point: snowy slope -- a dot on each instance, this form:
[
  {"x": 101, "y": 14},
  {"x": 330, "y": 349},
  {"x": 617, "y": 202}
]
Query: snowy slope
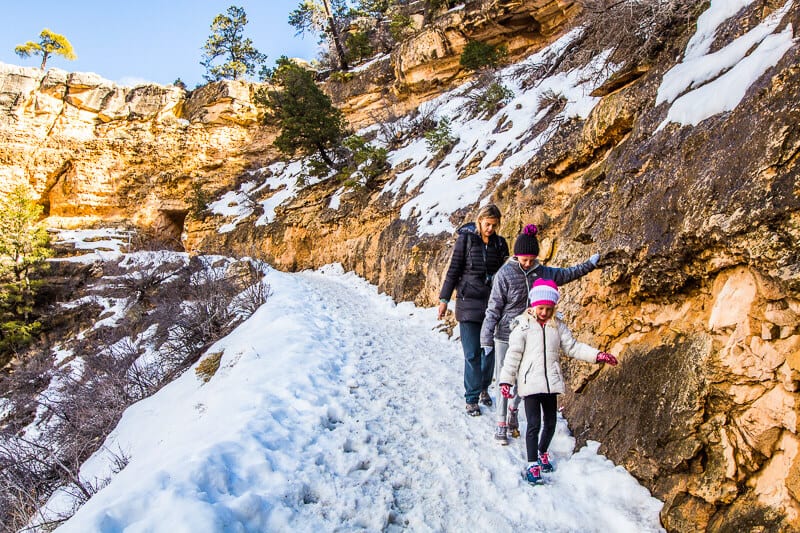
[{"x": 336, "y": 409}]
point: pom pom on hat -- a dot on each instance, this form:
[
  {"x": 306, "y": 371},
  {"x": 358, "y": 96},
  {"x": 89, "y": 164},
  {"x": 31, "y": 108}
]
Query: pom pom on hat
[
  {"x": 543, "y": 292},
  {"x": 527, "y": 243}
]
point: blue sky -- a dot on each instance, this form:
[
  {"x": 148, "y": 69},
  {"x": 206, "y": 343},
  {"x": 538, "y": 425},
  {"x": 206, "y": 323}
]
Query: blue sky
[{"x": 147, "y": 40}]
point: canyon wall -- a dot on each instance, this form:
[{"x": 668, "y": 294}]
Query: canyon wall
[{"x": 698, "y": 226}]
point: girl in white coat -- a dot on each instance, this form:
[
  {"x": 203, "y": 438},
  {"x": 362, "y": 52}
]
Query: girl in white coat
[{"x": 532, "y": 362}]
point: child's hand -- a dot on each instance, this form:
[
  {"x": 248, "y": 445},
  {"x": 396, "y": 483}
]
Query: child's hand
[
  {"x": 505, "y": 390},
  {"x": 604, "y": 357}
]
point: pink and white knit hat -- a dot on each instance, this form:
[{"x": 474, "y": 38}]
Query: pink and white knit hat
[{"x": 543, "y": 292}]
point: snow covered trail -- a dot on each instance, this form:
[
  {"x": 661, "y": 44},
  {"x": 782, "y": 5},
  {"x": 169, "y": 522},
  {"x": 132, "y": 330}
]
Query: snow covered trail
[{"x": 335, "y": 409}]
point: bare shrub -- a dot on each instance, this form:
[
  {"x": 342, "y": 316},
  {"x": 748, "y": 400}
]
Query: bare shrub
[
  {"x": 249, "y": 300},
  {"x": 144, "y": 279},
  {"x": 421, "y": 122},
  {"x": 392, "y": 128},
  {"x": 208, "y": 366},
  {"x": 552, "y": 99},
  {"x": 20, "y": 385},
  {"x": 207, "y": 308},
  {"x": 181, "y": 309},
  {"x": 530, "y": 73}
]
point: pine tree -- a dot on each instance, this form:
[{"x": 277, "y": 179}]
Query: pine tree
[
  {"x": 226, "y": 41},
  {"x": 478, "y": 55},
  {"x": 49, "y": 43},
  {"x": 309, "y": 123},
  {"x": 24, "y": 247},
  {"x": 326, "y": 17}
]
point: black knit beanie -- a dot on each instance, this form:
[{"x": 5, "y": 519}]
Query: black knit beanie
[{"x": 527, "y": 243}]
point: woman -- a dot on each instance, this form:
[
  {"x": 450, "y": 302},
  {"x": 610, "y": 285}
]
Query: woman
[{"x": 478, "y": 254}]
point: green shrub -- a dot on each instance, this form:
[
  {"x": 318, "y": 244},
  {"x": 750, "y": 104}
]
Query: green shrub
[
  {"x": 198, "y": 203},
  {"x": 365, "y": 162},
  {"x": 440, "y": 139},
  {"x": 479, "y": 55},
  {"x": 400, "y": 25},
  {"x": 358, "y": 47},
  {"x": 490, "y": 100},
  {"x": 341, "y": 76}
]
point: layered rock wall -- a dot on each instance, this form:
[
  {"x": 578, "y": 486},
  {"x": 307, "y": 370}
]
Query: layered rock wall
[
  {"x": 96, "y": 151},
  {"x": 699, "y": 290}
]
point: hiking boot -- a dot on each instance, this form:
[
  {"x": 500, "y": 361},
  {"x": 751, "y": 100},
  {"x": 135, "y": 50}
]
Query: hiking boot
[
  {"x": 500, "y": 435},
  {"x": 534, "y": 475},
  {"x": 473, "y": 409},
  {"x": 544, "y": 462},
  {"x": 485, "y": 399},
  {"x": 513, "y": 422}
]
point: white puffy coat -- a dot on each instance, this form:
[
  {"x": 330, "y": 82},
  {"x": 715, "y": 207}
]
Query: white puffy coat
[{"x": 532, "y": 359}]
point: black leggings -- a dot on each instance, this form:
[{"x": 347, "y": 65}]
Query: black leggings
[{"x": 538, "y": 407}]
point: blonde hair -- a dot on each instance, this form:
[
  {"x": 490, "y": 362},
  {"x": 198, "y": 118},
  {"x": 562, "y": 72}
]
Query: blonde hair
[{"x": 488, "y": 211}]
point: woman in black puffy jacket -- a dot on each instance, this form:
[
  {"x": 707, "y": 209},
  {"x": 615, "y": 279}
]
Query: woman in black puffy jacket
[{"x": 478, "y": 254}]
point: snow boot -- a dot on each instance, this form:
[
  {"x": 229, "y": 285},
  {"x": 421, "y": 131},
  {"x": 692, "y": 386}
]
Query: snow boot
[
  {"x": 500, "y": 435},
  {"x": 473, "y": 409},
  {"x": 513, "y": 422},
  {"x": 534, "y": 475},
  {"x": 485, "y": 399},
  {"x": 544, "y": 463}
]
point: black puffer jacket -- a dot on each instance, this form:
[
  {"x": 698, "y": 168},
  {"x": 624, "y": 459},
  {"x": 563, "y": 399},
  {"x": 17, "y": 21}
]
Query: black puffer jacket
[{"x": 472, "y": 267}]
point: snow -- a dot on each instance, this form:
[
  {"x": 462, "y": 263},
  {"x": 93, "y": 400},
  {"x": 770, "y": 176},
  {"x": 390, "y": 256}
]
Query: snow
[
  {"x": 706, "y": 84},
  {"x": 336, "y": 199},
  {"x": 103, "y": 239},
  {"x": 377, "y": 59},
  {"x": 448, "y": 187},
  {"x": 336, "y": 409}
]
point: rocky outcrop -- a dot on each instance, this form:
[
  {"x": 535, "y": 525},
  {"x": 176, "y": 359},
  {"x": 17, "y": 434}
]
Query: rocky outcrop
[
  {"x": 431, "y": 58},
  {"x": 700, "y": 295},
  {"x": 96, "y": 151},
  {"x": 428, "y": 62}
]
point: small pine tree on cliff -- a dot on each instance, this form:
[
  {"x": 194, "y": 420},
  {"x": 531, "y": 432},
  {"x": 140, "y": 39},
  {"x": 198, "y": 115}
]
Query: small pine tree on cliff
[
  {"x": 226, "y": 41},
  {"x": 24, "y": 247},
  {"x": 49, "y": 43},
  {"x": 308, "y": 121},
  {"x": 327, "y": 17},
  {"x": 478, "y": 55}
]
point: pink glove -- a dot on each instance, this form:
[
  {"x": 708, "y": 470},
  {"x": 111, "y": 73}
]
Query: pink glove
[
  {"x": 604, "y": 357},
  {"x": 505, "y": 390}
]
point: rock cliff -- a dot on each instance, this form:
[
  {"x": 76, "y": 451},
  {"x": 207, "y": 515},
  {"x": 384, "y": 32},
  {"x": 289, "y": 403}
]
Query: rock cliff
[
  {"x": 95, "y": 151},
  {"x": 698, "y": 226}
]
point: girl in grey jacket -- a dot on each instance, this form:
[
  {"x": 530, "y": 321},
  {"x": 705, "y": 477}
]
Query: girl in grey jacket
[
  {"x": 508, "y": 300},
  {"x": 532, "y": 363}
]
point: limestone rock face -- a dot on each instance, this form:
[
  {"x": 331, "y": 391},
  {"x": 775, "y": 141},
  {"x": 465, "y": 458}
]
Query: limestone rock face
[
  {"x": 698, "y": 293},
  {"x": 94, "y": 150},
  {"x": 432, "y": 57}
]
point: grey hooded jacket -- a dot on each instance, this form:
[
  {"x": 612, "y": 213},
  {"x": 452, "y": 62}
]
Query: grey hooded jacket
[{"x": 509, "y": 296}]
